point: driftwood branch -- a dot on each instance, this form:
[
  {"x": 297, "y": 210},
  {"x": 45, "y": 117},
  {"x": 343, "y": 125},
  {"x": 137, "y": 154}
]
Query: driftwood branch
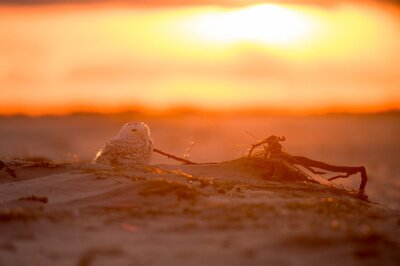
[
  {"x": 173, "y": 157},
  {"x": 349, "y": 170},
  {"x": 313, "y": 170},
  {"x": 275, "y": 149},
  {"x": 339, "y": 176}
]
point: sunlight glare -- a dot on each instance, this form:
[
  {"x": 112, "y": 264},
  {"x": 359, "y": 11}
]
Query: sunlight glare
[{"x": 269, "y": 24}]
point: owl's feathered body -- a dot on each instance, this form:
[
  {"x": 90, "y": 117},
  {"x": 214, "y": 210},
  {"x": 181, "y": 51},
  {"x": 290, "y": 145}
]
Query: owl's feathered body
[{"x": 132, "y": 145}]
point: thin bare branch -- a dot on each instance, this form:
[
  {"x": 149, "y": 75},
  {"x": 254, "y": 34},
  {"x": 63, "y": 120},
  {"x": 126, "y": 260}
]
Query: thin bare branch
[
  {"x": 339, "y": 176},
  {"x": 173, "y": 157}
]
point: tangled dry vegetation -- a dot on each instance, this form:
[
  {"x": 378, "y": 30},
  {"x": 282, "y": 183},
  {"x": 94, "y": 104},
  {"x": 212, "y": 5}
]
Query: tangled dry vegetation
[{"x": 269, "y": 156}]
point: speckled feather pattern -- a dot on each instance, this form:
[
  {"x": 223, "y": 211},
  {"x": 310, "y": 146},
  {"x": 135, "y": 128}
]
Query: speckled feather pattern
[{"x": 123, "y": 150}]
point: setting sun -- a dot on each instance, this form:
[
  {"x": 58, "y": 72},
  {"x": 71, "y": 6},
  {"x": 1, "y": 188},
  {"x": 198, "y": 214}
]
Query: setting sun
[
  {"x": 269, "y": 24},
  {"x": 287, "y": 56}
]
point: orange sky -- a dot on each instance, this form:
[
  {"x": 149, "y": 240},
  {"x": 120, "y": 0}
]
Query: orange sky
[{"x": 296, "y": 57}]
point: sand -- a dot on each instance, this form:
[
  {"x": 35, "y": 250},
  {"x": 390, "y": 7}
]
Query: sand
[
  {"x": 78, "y": 213},
  {"x": 351, "y": 140}
]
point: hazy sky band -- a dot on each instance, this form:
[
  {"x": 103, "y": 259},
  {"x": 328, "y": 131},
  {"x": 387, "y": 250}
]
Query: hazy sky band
[
  {"x": 110, "y": 56},
  {"x": 177, "y": 3}
]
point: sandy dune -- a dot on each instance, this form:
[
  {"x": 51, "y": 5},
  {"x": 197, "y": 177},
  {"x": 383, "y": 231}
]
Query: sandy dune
[{"x": 209, "y": 214}]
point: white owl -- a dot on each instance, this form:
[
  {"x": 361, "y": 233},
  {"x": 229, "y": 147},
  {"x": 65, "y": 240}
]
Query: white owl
[{"x": 132, "y": 145}]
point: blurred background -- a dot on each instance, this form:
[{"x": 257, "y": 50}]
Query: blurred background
[
  {"x": 211, "y": 77},
  {"x": 60, "y": 56}
]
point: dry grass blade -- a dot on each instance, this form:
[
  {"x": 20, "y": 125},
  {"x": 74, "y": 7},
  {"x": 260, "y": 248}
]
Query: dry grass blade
[{"x": 189, "y": 149}]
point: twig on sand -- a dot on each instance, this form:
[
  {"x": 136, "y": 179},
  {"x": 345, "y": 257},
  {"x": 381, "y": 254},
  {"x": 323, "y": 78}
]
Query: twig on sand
[
  {"x": 173, "y": 157},
  {"x": 10, "y": 171}
]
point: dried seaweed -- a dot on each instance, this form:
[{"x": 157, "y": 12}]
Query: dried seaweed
[
  {"x": 20, "y": 214},
  {"x": 10, "y": 171},
  {"x": 34, "y": 198},
  {"x": 44, "y": 164}
]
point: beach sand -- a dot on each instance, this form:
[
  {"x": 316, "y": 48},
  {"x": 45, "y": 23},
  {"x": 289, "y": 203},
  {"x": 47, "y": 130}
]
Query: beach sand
[
  {"x": 78, "y": 213},
  {"x": 350, "y": 140}
]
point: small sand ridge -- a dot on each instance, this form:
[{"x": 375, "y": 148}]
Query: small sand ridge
[{"x": 230, "y": 213}]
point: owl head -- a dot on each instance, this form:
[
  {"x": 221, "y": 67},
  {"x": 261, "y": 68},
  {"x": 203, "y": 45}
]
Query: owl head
[{"x": 134, "y": 130}]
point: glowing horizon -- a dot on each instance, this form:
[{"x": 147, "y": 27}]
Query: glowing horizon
[{"x": 299, "y": 58}]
